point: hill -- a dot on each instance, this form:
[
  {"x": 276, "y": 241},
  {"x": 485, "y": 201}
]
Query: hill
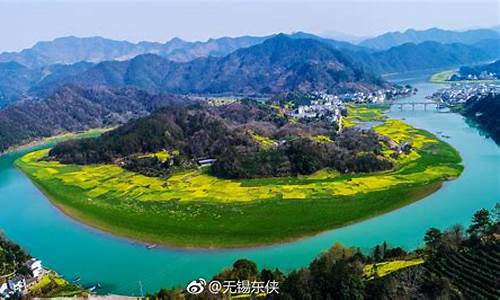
[
  {"x": 485, "y": 112},
  {"x": 156, "y": 184},
  {"x": 491, "y": 70},
  {"x": 232, "y": 135},
  {"x": 18, "y": 81},
  {"x": 278, "y": 64},
  {"x": 15, "y": 80},
  {"x": 392, "y": 39},
  {"x": 428, "y": 55},
  {"x": 73, "y": 108}
]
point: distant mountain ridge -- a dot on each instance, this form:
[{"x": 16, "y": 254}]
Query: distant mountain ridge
[
  {"x": 278, "y": 64},
  {"x": 392, "y": 39},
  {"x": 201, "y": 67},
  {"x": 71, "y": 49},
  {"x": 430, "y": 55}
]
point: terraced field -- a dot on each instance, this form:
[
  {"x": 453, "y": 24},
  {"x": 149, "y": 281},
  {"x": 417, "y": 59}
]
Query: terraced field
[
  {"x": 475, "y": 272},
  {"x": 194, "y": 209}
]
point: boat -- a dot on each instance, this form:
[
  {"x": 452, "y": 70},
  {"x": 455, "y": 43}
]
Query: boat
[
  {"x": 94, "y": 287},
  {"x": 151, "y": 246}
]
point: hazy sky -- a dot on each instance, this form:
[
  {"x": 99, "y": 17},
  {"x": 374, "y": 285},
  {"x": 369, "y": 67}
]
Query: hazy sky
[{"x": 23, "y": 23}]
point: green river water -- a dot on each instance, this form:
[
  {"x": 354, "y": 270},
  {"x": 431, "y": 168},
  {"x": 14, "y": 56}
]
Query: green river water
[{"x": 73, "y": 249}]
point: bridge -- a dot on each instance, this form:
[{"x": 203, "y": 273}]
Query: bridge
[{"x": 402, "y": 105}]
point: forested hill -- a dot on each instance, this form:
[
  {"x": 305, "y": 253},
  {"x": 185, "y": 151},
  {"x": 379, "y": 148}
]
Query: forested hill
[
  {"x": 74, "y": 108},
  {"x": 278, "y": 64},
  {"x": 246, "y": 139},
  {"x": 486, "y": 112},
  {"x": 428, "y": 55},
  {"x": 493, "y": 67}
]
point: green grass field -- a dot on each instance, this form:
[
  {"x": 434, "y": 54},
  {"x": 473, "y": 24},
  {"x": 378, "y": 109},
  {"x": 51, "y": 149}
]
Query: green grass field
[
  {"x": 195, "y": 209},
  {"x": 51, "y": 285},
  {"x": 442, "y": 77}
]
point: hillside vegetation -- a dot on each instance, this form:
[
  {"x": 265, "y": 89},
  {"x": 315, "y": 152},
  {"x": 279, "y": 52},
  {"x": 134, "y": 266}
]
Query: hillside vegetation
[
  {"x": 485, "y": 111},
  {"x": 246, "y": 139},
  {"x": 452, "y": 264},
  {"x": 74, "y": 108}
]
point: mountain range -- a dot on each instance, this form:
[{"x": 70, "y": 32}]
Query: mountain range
[
  {"x": 430, "y": 55},
  {"x": 278, "y": 64},
  {"x": 242, "y": 65},
  {"x": 70, "y": 49},
  {"x": 392, "y": 39}
]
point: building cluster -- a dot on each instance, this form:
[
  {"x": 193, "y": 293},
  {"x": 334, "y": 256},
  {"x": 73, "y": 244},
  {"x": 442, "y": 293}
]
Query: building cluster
[
  {"x": 329, "y": 107},
  {"x": 18, "y": 284},
  {"x": 484, "y": 75},
  {"x": 460, "y": 93},
  {"x": 379, "y": 96},
  {"x": 324, "y": 106}
]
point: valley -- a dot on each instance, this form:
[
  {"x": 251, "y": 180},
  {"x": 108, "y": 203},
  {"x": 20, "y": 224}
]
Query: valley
[
  {"x": 449, "y": 205},
  {"x": 144, "y": 168}
]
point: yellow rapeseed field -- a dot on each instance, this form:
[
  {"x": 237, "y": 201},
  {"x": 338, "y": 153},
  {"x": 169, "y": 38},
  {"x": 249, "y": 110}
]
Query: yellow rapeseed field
[
  {"x": 387, "y": 267},
  {"x": 196, "y": 185}
]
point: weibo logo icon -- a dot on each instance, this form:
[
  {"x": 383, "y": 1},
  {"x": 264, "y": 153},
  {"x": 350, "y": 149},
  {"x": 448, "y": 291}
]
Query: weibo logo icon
[{"x": 196, "y": 287}]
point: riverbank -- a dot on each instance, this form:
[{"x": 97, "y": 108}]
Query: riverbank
[
  {"x": 56, "y": 139},
  {"x": 444, "y": 76},
  {"x": 196, "y": 210}
]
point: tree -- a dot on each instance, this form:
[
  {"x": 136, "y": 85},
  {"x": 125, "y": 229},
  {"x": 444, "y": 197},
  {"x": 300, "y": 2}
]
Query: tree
[
  {"x": 270, "y": 275},
  {"x": 243, "y": 269},
  {"x": 432, "y": 239},
  {"x": 377, "y": 253},
  {"x": 453, "y": 238},
  {"x": 481, "y": 224},
  {"x": 496, "y": 211}
]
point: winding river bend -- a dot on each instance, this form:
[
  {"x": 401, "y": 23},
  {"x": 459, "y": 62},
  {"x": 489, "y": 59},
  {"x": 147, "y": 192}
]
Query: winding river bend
[{"x": 73, "y": 249}]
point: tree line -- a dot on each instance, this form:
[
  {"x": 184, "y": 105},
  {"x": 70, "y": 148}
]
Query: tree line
[
  {"x": 339, "y": 272},
  {"x": 227, "y": 134}
]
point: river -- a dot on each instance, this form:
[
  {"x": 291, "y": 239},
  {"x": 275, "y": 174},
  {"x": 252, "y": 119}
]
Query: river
[{"x": 73, "y": 249}]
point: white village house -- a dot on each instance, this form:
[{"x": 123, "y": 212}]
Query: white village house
[
  {"x": 35, "y": 265},
  {"x": 20, "y": 283},
  {"x": 17, "y": 284},
  {"x": 4, "y": 290}
]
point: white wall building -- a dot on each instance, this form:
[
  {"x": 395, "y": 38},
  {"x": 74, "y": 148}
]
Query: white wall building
[
  {"x": 17, "y": 284},
  {"x": 35, "y": 265},
  {"x": 4, "y": 290}
]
